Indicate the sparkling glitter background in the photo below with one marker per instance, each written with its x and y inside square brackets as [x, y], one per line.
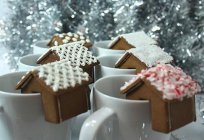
[178, 26]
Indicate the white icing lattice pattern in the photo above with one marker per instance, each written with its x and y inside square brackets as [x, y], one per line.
[136, 39]
[76, 53]
[151, 55]
[61, 75]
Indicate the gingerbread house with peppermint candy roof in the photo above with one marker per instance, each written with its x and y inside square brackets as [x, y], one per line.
[64, 38]
[143, 57]
[76, 53]
[171, 94]
[131, 40]
[64, 89]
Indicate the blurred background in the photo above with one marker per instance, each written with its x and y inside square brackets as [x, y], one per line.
[178, 26]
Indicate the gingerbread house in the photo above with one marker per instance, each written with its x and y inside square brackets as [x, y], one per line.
[76, 53]
[64, 89]
[131, 40]
[143, 57]
[64, 38]
[171, 94]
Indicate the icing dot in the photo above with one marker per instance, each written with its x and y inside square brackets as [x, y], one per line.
[88, 40]
[55, 43]
[74, 39]
[76, 35]
[61, 35]
[82, 37]
[80, 33]
[69, 34]
[65, 40]
[68, 38]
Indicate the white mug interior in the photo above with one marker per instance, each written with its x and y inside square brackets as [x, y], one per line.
[132, 121]
[100, 48]
[21, 116]
[28, 62]
[107, 67]
[40, 47]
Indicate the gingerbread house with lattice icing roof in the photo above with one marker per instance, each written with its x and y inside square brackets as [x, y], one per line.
[76, 53]
[64, 89]
[143, 57]
[131, 40]
[64, 38]
[171, 94]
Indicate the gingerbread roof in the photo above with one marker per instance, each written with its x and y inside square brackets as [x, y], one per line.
[75, 52]
[150, 55]
[70, 37]
[171, 81]
[57, 75]
[136, 39]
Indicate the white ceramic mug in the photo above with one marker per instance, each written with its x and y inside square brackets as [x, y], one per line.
[28, 62]
[116, 118]
[40, 47]
[21, 115]
[101, 48]
[107, 67]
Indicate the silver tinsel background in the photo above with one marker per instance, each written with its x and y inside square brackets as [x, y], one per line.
[177, 25]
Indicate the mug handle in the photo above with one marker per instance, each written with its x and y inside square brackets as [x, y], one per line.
[93, 123]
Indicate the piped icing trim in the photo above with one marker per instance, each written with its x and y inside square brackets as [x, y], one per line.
[136, 39]
[71, 37]
[151, 55]
[171, 81]
[61, 75]
[76, 53]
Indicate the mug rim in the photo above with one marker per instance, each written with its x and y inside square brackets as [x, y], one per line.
[103, 48]
[118, 69]
[29, 55]
[15, 94]
[23, 59]
[36, 44]
[115, 98]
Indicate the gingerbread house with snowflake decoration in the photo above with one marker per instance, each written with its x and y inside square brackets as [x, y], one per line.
[76, 53]
[131, 40]
[171, 94]
[64, 89]
[143, 57]
[64, 38]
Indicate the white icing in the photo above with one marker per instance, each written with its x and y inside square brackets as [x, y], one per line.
[76, 53]
[113, 41]
[55, 43]
[65, 40]
[128, 83]
[61, 35]
[80, 33]
[136, 39]
[82, 37]
[69, 34]
[61, 75]
[151, 55]
[88, 40]
[76, 35]
[68, 38]
[74, 39]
